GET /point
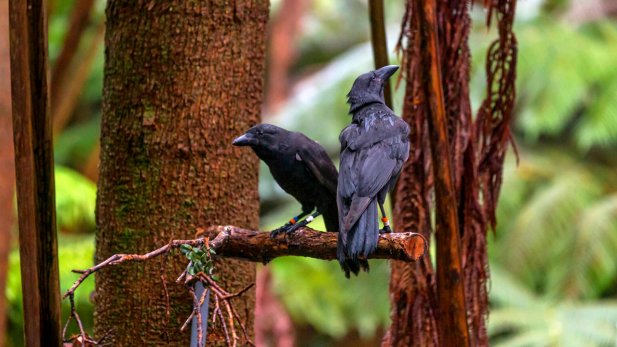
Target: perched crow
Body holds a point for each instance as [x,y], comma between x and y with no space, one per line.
[301,167]
[373,149]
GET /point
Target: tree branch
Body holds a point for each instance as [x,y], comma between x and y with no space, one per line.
[235,242]
[258,246]
[251,245]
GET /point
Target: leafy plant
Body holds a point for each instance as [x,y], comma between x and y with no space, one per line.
[520,317]
[200,259]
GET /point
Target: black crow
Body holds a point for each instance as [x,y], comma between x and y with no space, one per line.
[301,167]
[373,149]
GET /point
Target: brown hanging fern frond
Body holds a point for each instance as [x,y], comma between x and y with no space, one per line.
[412,286]
[477,150]
[484,159]
[496,112]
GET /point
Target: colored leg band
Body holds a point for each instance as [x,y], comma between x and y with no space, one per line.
[293,220]
[385,221]
[309,219]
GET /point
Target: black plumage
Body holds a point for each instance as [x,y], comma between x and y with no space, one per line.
[301,167]
[373,149]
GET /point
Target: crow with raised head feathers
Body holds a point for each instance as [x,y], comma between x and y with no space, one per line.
[373,149]
[301,167]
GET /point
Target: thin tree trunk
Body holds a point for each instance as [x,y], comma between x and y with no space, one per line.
[34,165]
[7,165]
[452,313]
[379,42]
[181,80]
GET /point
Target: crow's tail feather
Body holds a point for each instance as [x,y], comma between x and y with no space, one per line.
[361,240]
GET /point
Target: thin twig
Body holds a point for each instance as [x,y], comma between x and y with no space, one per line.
[166,292]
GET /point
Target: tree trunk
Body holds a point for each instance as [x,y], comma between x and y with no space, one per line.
[7,167]
[34,167]
[181,80]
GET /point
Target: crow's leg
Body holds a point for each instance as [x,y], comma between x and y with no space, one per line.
[291,223]
[304,222]
[384,220]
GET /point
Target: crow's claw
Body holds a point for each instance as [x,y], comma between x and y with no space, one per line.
[386,230]
[285,228]
[296,227]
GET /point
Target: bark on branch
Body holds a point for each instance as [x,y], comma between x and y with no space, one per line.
[253,245]
[234,242]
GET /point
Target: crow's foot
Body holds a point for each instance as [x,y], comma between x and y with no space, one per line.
[386,230]
[284,229]
[296,226]
[287,229]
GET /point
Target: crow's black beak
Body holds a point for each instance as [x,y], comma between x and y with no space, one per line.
[245,140]
[385,72]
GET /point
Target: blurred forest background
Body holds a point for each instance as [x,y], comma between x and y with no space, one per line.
[554,253]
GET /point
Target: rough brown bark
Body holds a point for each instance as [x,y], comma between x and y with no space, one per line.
[181,80]
[34,171]
[7,166]
[255,245]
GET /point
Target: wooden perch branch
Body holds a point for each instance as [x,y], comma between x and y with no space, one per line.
[252,245]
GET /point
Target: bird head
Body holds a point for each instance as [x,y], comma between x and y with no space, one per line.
[368,87]
[260,137]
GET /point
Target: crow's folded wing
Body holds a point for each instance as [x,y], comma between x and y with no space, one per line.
[319,164]
[363,174]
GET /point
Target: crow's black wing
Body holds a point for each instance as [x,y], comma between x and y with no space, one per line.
[318,163]
[347,178]
[372,170]
[371,157]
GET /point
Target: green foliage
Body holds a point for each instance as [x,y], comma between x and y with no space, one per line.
[566,82]
[75,201]
[564,213]
[315,292]
[74,252]
[541,322]
[557,237]
[76,143]
[553,253]
[200,259]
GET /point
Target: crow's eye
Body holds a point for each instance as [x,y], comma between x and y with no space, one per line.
[260,133]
